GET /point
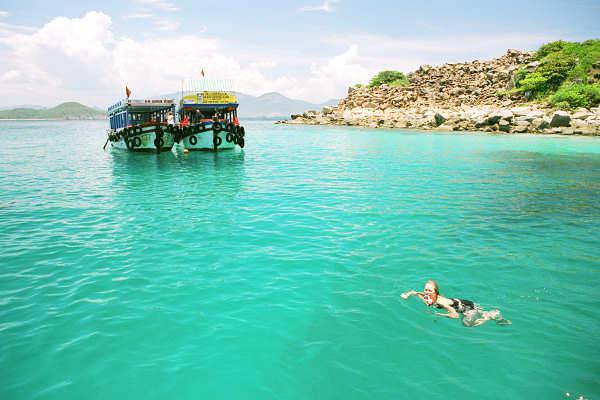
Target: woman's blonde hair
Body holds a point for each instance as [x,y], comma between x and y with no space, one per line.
[436,288]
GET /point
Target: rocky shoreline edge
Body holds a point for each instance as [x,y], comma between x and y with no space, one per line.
[524,119]
[470,96]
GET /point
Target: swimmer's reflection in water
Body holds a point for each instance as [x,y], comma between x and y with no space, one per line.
[472,314]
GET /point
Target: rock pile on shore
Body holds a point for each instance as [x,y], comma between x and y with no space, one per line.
[455,97]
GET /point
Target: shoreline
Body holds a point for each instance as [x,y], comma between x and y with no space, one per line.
[449,132]
[469,96]
[488,119]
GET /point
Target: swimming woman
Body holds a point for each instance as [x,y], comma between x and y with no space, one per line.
[472,314]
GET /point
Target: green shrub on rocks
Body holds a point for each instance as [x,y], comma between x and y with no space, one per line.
[578,95]
[561,74]
[548,48]
[392,78]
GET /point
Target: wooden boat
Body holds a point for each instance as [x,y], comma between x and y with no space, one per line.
[141,125]
[208,117]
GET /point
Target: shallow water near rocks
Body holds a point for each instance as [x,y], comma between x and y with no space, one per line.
[275,272]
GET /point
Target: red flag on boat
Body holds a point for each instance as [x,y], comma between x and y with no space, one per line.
[127,91]
[202,72]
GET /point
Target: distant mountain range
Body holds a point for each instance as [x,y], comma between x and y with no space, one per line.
[274,104]
[268,105]
[69,110]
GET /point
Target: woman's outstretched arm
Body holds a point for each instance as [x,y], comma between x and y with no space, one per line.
[410,293]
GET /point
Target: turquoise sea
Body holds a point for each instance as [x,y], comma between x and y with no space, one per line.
[275,272]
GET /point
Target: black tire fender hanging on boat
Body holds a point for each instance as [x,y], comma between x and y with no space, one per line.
[230,127]
[229,137]
[242,131]
[158,142]
[241,142]
[217,141]
[217,127]
[193,140]
[137,141]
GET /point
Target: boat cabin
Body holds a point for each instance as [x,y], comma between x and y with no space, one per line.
[202,100]
[130,112]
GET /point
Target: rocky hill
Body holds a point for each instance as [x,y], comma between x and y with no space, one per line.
[473,95]
[68,110]
[449,85]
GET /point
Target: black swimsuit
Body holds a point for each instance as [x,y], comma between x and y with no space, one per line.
[460,305]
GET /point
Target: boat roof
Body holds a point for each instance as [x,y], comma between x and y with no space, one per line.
[142,105]
[207,85]
[204,93]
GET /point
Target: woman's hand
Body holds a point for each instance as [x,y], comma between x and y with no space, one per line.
[406,295]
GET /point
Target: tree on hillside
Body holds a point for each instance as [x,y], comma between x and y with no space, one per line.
[393,78]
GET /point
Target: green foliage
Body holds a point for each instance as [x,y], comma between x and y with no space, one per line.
[562,105]
[564,67]
[578,95]
[399,82]
[533,83]
[393,78]
[552,47]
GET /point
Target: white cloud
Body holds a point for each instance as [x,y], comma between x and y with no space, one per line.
[330,78]
[4,13]
[263,64]
[138,16]
[159,4]
[327,6]
[166,24]
[9,29]
[81,59]
[162,24]
[380,52]
[61,58]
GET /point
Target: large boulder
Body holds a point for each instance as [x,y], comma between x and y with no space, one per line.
[534,114]
[532,66]
[560,118]
[540,124]
[504,125]
[496,116]
[520,111]
[582,114]
[521,127]
[439,119]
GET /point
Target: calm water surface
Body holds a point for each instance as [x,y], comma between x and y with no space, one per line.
[275,272]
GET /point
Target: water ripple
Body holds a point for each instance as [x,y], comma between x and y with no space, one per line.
[276,272]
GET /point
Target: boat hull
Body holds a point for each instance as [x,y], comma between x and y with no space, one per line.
[204,141]
[144,141]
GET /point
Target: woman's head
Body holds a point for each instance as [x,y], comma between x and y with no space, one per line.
[431,292]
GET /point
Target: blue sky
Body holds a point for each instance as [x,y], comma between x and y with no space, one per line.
[312,50]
